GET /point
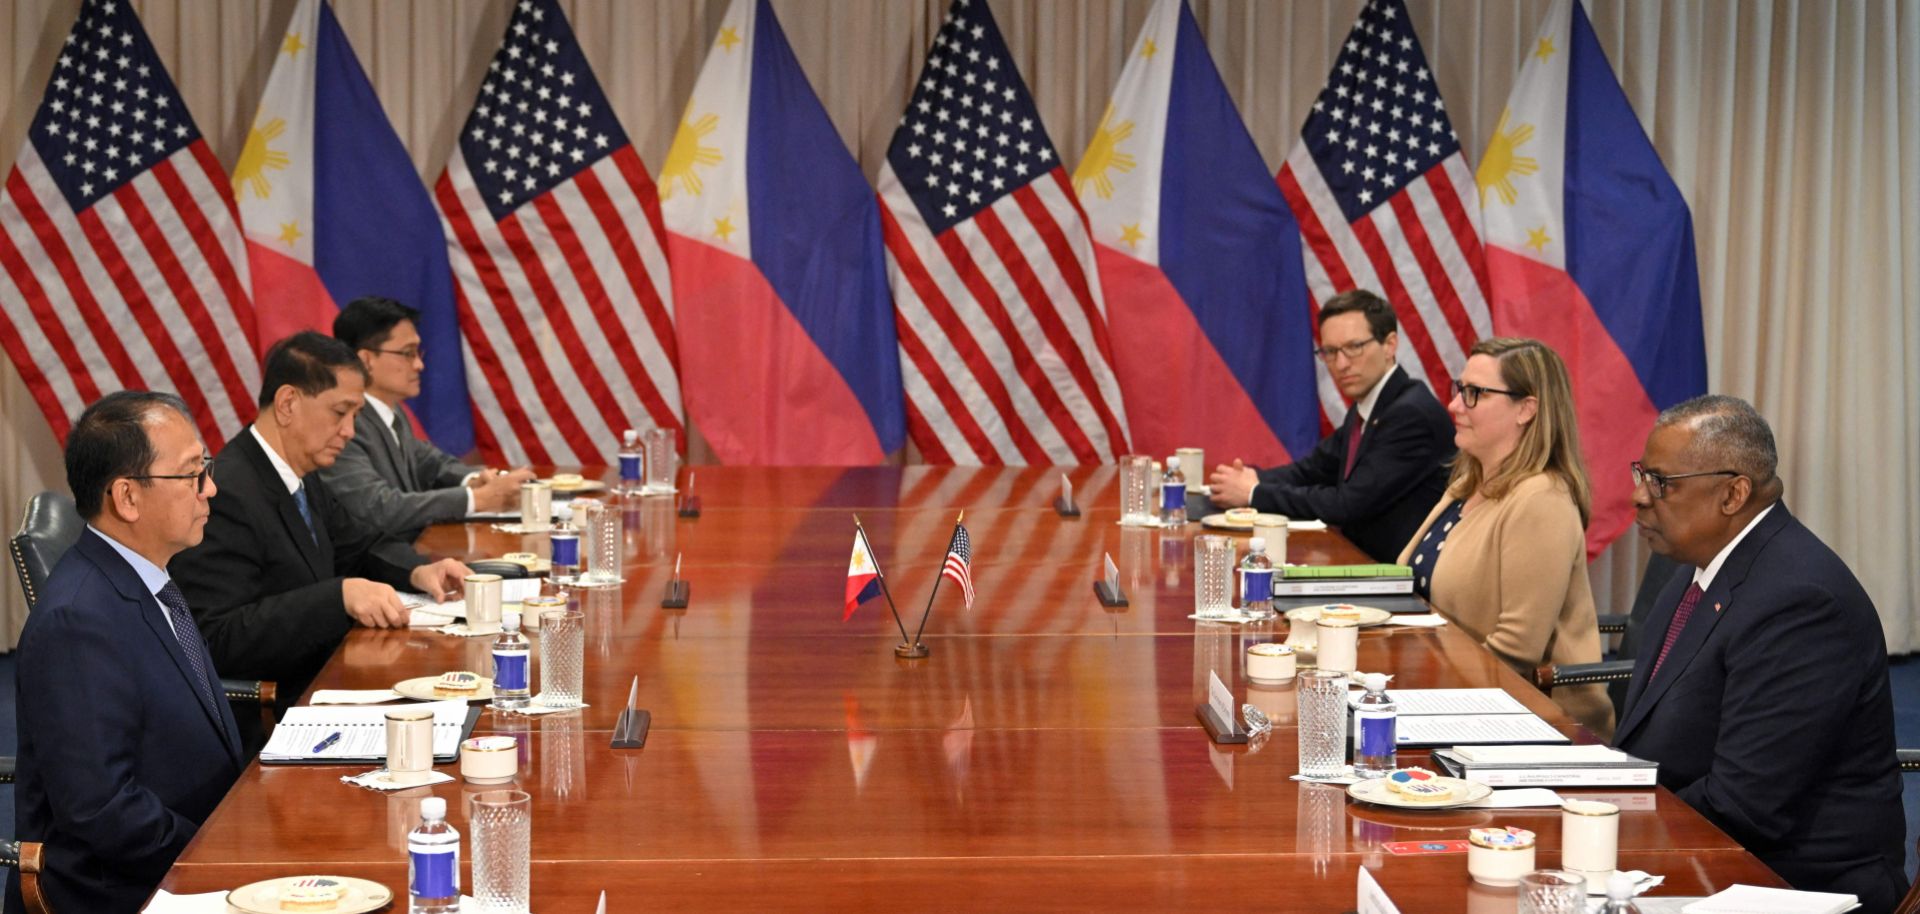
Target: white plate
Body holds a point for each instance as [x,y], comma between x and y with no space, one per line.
[586,485]
[1222,522]
[263,897]
[1369,615]
[1375,791]
[423,689]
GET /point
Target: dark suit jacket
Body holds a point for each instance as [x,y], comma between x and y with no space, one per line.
[265,590]
[121,757]
[396,487]
[1398,476]
[1772,714]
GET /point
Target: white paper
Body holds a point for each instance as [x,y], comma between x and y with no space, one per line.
[363,731]
[354,696]
[460,630]
[1518,798]
[1461,729]
[165,902]
[1540,755]
[1417,702]
[1305,526]
[1419,620]
[1221,698]
[512,590]
[1752,899]
[1370,898]
[377,780]
[539,706]
[1113,573]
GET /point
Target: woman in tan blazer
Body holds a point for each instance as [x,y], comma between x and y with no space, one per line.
[1504,554]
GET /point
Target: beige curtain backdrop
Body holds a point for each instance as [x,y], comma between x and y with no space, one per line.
[1793,128]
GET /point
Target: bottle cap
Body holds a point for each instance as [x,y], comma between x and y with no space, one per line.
[433,808]
[1620,886]
[1173,463]
[1257,544]
[510,619]
[629,437]
[1374,682]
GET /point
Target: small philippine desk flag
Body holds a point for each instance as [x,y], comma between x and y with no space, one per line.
[863,577]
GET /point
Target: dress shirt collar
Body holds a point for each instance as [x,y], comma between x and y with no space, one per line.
[1365,406]
[287,476]
[1704,576]
[385,412]
[154,576]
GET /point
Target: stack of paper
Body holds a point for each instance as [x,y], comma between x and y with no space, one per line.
[362,730]
[1748,899]
[1458,717]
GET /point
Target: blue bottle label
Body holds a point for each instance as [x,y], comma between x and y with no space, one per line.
[630,467]
[510,671]
[566,550]
[1173,495]
[1256,585]
[435,871]
[1376,732]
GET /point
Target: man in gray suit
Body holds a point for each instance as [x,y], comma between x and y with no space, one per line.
[388,477]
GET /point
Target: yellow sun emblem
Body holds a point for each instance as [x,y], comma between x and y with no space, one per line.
[1503,161]
[1104,155]
[256,159]
[685,153]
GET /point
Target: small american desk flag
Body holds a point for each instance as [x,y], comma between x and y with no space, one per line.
[121,259]
[959,565]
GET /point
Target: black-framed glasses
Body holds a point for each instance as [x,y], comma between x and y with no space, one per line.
[410,353]
[1469,394]
[1351,350]
[199,479]
[1656,483]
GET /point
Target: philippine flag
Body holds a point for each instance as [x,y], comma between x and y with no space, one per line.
[788,352]
[863,577]
[1590,249]
[333,210]
[1200,258]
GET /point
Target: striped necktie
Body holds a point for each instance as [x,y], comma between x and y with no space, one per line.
[1681,614]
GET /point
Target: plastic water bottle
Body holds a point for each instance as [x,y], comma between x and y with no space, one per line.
[1173,495]
[565,540]
[1620,895]
[631,461]
[433,862]
[510,664]
[1374,723]
[1256,581]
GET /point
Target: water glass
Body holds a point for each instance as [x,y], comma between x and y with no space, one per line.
[1553,892]
[501,823]
[662,460]
[563,656]
[600,539]
[1323,723]
[1213,576]
[1136,490]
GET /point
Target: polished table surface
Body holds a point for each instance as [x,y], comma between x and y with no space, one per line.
[1045,755]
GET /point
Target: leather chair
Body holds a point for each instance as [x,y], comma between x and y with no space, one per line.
[1615,673]
[26,856]
[49,527]
[1910,764]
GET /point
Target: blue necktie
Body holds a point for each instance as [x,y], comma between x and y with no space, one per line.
[189,636]
[306,513]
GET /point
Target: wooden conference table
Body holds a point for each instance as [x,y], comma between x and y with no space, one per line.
[1045,756]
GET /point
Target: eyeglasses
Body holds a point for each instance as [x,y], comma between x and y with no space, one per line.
[410,353]
[1469,394]
[1656,483]
[199,479]
[1351,350]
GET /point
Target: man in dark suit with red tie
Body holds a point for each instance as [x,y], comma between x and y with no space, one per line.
[1378,475]
[126,742]
[1762,686]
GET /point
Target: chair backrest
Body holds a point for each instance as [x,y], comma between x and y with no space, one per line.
[49,527]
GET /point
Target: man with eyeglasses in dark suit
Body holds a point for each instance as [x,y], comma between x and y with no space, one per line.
[1380,472]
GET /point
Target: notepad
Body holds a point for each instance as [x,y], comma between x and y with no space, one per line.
[1430,718]
[1751,899]
[363,733]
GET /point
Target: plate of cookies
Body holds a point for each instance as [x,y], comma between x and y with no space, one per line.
[1364,616]
[456,684]
[1236,519]
[333,894]
[574,482]
[1418,788]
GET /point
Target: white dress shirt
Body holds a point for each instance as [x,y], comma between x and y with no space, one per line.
[154,576]
[1703,577]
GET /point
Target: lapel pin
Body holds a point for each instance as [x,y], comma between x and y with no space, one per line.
[1716,607]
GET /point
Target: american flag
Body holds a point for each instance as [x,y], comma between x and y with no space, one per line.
[553,229]
[959,566]
[121,259]
[1003,331]
[1386,202]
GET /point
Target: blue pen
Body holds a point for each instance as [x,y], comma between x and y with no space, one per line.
[332,738]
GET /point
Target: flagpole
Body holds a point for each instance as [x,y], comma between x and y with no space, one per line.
[936,581]
[877,573]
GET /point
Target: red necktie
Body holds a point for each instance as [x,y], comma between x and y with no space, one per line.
[1353,442]
[1681,614]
